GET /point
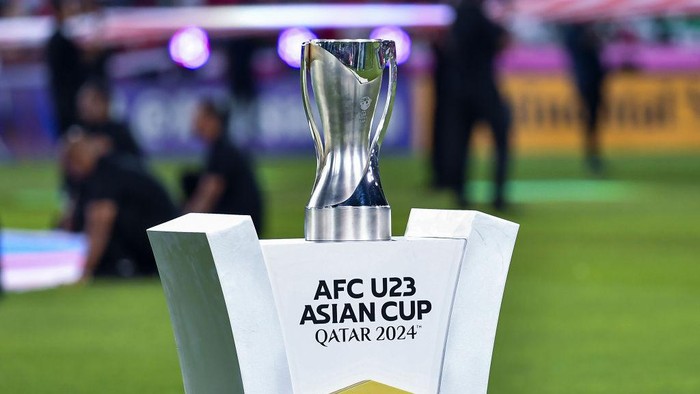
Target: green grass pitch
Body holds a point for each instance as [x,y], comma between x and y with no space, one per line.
[603,294]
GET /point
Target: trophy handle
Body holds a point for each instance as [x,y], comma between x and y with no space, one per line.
[389,51]
[315,134]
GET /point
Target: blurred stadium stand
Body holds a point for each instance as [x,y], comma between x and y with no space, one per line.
[657,39]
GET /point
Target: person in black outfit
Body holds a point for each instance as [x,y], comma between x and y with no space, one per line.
[473,95]
[94,99]
[242,81]
[583,47]
[441,82]
[121,201]
[66,65]
[227,185]
[93,109]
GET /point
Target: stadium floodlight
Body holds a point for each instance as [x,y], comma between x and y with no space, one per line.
[189,47]
[399,36]
[289,44]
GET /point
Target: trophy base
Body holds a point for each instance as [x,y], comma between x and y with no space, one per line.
[348,224]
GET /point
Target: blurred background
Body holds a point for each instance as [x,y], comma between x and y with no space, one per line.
[600,150]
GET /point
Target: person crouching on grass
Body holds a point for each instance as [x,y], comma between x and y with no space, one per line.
[227,184]
[120,201]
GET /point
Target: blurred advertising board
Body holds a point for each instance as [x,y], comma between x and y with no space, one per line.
[647,109]
[160,111]
[641,111]
[160,115]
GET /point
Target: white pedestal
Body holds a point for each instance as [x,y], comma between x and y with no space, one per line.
[417,313]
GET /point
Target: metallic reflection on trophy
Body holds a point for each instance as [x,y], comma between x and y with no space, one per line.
[347,202]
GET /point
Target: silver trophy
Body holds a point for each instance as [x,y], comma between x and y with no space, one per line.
[347,202]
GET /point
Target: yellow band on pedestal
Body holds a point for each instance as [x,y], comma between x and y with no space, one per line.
[370,387]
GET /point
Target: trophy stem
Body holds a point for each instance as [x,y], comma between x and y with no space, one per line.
[364,223]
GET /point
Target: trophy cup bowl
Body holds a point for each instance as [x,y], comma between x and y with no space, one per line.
[347,201]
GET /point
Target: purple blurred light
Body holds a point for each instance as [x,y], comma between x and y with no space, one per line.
[289,44]
[189,47]
[399,36]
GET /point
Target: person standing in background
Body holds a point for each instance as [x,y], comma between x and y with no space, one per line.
[66,65]
[227,185]
[243,87]
[583,46]
[441,82]
[473,95]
